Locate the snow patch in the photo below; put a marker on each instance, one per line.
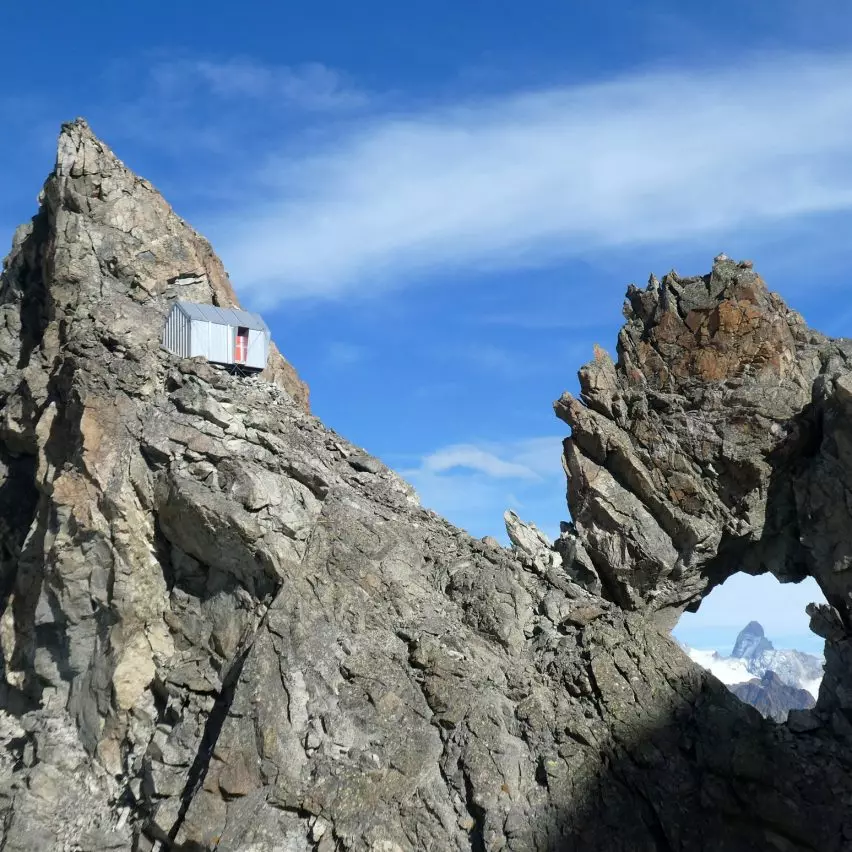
(726, 669)
(812, 686)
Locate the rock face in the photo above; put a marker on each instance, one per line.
(565, 556)
(720, 441)
(223, 626)
(773, 698)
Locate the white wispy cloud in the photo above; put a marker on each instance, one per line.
(470, 457)
(217, 115)
(474, 483)
(527, 459)
(527, 178)
(542, 455)
(311, 86)
(342, 354)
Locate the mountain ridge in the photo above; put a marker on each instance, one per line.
(773, 698)
(794, 668)
(226, 627)
(772, 680)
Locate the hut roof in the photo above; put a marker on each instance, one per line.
(222, 316)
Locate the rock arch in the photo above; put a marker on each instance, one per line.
(719, 441)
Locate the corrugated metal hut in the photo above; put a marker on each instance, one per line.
(222, 335)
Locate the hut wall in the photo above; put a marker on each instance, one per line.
(221, 343)
(258, 349)
(176, 334)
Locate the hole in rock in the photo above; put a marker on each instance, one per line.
(753, 634)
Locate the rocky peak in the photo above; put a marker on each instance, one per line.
(751, 642)
(709, 407)
(106, 252)
(686, 332)
(222, 626)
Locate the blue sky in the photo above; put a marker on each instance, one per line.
(438, 206)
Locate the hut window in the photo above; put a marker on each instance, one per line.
(241, 345)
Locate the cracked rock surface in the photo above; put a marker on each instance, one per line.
(225, 627)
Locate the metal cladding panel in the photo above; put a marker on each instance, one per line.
(222, 316)
(168, 335)
(258, 349)
(176, 333)
(221, 346)
(199, 339)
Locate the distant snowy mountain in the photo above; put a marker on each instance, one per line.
(751, 642)
(794, 668)
(753, 661)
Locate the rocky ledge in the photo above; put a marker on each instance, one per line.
(225, 627)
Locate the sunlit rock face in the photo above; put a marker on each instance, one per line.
(706, 409)
(720, 440)
(225, 627)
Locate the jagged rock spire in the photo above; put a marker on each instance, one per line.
(751, 641)
(653, 438)
(111, 244)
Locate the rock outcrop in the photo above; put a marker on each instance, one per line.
(719, 442)
(225, 627)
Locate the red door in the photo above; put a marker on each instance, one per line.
(241, 346)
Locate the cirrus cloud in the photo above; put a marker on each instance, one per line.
(528, 178)
(474, 483)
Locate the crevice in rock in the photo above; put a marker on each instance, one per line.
(312, 480)
(212, 730)
(215, 722)
(610, 590)
(18, 502)
(34, 294)
(477, 842)
(24, 598)
(477, 814)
